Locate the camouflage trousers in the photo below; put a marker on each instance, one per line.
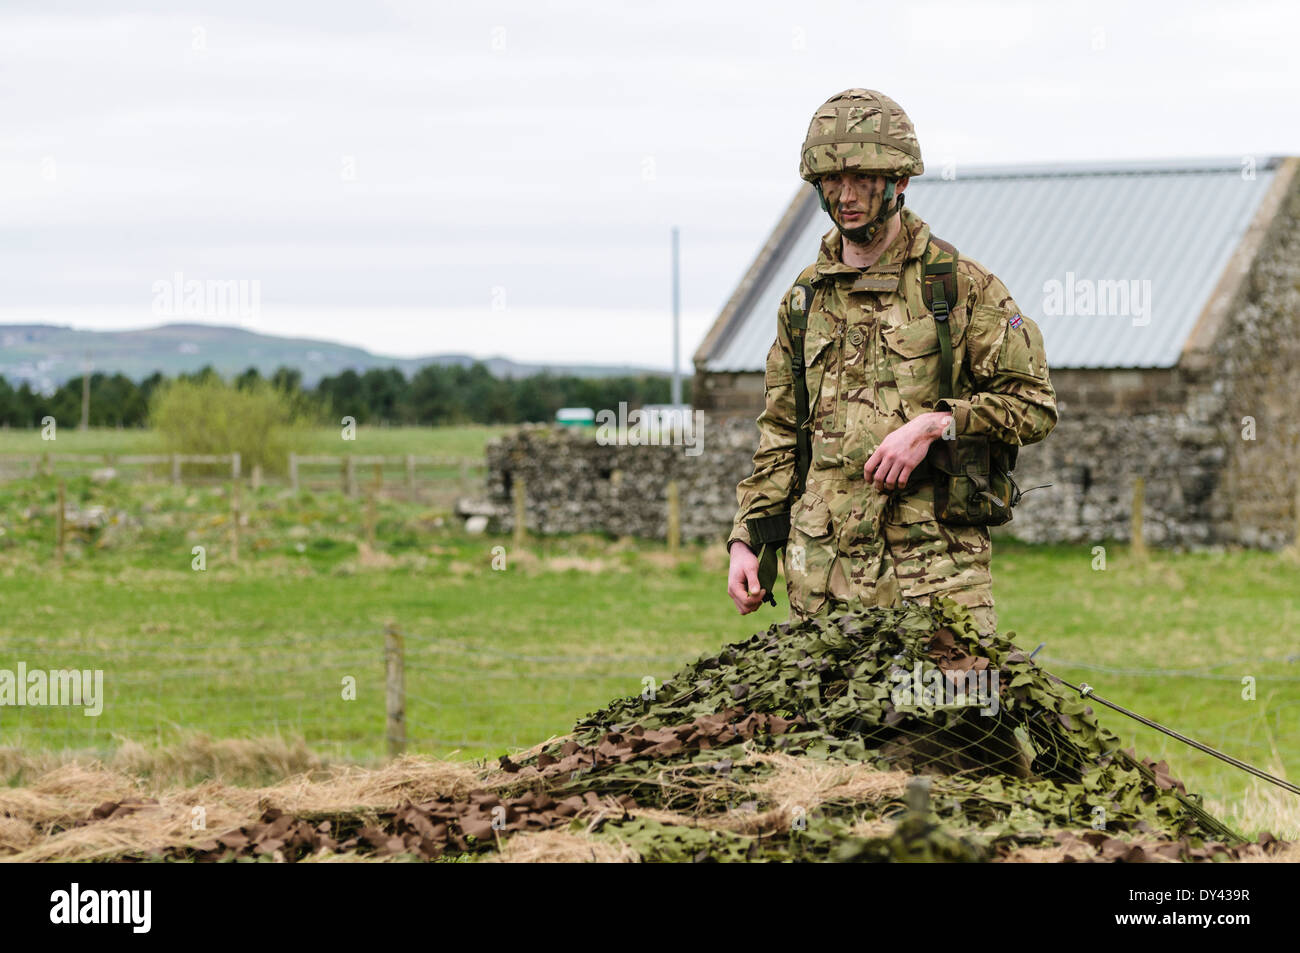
(851, 547)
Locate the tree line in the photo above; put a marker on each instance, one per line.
(434, 395)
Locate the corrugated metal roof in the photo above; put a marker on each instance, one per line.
(1170, 227)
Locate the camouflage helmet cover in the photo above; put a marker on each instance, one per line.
(860, 130)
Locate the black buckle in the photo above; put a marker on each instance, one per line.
(938, 304)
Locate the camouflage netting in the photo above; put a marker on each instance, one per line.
(837, 739)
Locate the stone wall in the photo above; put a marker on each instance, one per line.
(1260, 348)
(574, 484)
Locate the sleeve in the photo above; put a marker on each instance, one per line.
(767, 489)
(1013, 399)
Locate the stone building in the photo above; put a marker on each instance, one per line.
(1168, 294)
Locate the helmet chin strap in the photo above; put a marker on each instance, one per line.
(865, 233)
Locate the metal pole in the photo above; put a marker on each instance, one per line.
(1085, 691)
(677, 373)
(85, 395)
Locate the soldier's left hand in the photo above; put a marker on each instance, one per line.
(902, 450)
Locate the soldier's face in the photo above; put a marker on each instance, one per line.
(854, 198)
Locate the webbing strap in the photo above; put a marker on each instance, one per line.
(800, 303)
(942, 274)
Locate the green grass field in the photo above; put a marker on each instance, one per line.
(502, 658)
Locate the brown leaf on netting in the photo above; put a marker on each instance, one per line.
(1164, 779)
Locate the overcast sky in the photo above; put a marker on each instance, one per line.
(501, 178)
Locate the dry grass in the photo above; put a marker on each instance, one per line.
(45, 819)
(370, 558)
(794, 786)
(1263, 807)
(562, 847)
(1289, 854)
(234, 760)
(1053, 854)
(873, 827)
(582, 564)
(808, 782)
(660, 560)
(39, 820)
(1043, 855)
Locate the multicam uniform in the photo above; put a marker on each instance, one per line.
(872, 355)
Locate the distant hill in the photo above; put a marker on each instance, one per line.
(46, 355)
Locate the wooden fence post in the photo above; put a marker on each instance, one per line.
(410, 473)
(293, 471)
(521, 511)
(464, 477)
(58, 524)
(234, 465)
(234, 522)
(257, 477)
(370, 517)
(349, 475)
(1138, 544)
(176, 469)
(1297, 517)
(395, 689)
(674, 519)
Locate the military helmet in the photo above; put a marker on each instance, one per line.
(860, 130)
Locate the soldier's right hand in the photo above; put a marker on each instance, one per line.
(742, 581)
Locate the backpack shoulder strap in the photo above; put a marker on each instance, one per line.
(941, 276)
(801, 298)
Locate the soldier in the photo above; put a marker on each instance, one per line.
(894, 446)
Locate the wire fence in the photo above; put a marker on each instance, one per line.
(329, 689)
(336, 692)
(411, 476)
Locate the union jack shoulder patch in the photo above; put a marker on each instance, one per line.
(1016, 320)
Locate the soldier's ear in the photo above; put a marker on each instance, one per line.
(902, 184)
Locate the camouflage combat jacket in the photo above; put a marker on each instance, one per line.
(872, 355)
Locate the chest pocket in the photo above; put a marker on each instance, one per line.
(913, 353)
(820, 354)
(817, 351)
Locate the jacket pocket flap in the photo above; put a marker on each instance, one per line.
(814, 346)
(813, 517)
(921, 337)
